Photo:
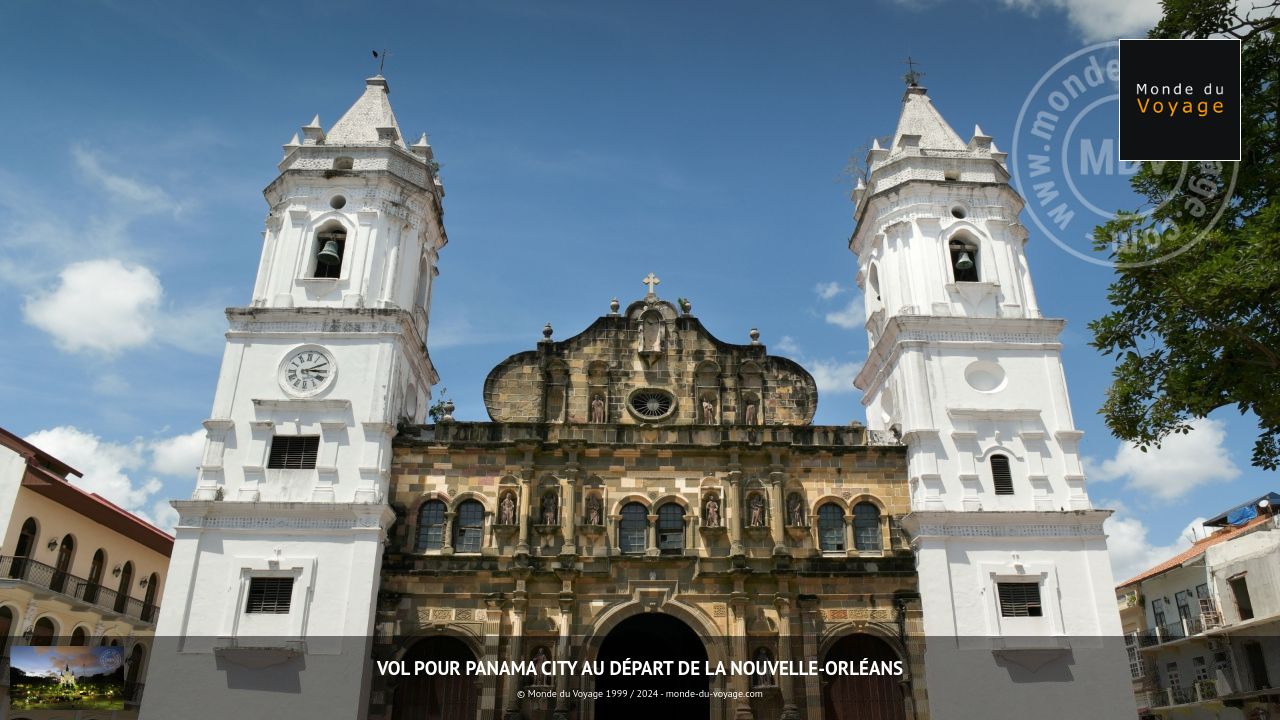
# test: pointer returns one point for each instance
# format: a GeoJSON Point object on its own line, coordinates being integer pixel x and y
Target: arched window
{"type": "Point", "coordinates": [6, 627]}
{"type": "Point", "coordinates": [1001, 476]}
{"type": "Point", "coordinates": [468, 527]}
{"type": "Point", "coordinates": [671, 529]}
{"type": "Point", "coordinates": [331, 241]}
{"type": "Point", "coordinates": [831, 528]}
{"type": "Point", "coordinates": [122, 595]}
{"type": "Point", "coordinates": [96, 569]}
{"type": "Point", "coordinates": [866, 526]}
{"type": "Point", "coordinates": [430, 526]}
{"type": "Point", "coordinates": [79, 636]}
{"type": "Point", "coordinates": [873, 281]}
{"type": "Point", "coordinates": [633, 529]}
{"type": "Point", "coordinates": [964, 259]}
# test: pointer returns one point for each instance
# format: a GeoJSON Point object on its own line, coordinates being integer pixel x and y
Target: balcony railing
{"type": "Point", "coordinates": [1181, 628]}
{"type": "Point", "coordinates": [1200, 691]}
{"type": "Point", "coordinates": [77, 588]}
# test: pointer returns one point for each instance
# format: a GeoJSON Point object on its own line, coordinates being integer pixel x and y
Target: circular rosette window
{"type": "Point", "coordinates": [649, 404]}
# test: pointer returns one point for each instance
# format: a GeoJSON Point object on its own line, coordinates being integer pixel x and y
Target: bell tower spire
{"type": "Point", "coordinates": [328, 358]}
{"type": "Point", "coordinates": [965, 371]}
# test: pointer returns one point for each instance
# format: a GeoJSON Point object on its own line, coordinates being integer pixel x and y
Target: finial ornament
{"type": "Point", "coordinates": [546, 332]}
{"type": "Point", "coordinates": [755, 336]}
{"type": "Point", "coordinates": [913, 75]}
{"type": "Point", "coordinates": [651, 280]}
{"type": "Point", "coordinates": [613, 306]}
{"type": "Point", "coordinates": [381, 57]}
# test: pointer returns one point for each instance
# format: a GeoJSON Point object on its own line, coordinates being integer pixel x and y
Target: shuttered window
{"type": "Point", "coordinates": [1000, 475]}
{"type": "Point", "coordinates": [1019, 599]}
{"type": "Point", "coordinates": [269, 595]}
{"type": "Point", "coordinates": [293, 452]}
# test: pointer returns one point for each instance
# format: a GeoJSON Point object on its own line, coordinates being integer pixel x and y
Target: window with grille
{"type": "Point", "coordinates": [468, 527]}
{"type": "Point", "coordinates": [1019, 599]}
{"type": "Point", "coordinates": [671, 529]}
{"type": "Point", "coordinates": [831, 528]}
{"type": "Point", "coordinates": [269, 595]}
{"type": "Point", "coordinates": [430, 526]}
{"type": "Point", "coordinates": [294, 452]}
{"type": "Point", "coordinates": [1001, 477]}
{"type": "Point", "coordinates": [633, 528]}
{"type": "Point", "coordinates": [866, 526]}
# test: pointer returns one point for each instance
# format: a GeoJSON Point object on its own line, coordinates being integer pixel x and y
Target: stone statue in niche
{"type": "Point", "coordinates": [594, 510]}
{"type": "Point", "coordinates": [654, 333]}
{"type": "Point", "coordinates": [749, 412]}
{"type": "Point", "coordinates": [507, 510]}
{"type": "Point", "coordinates": [795, 510]}
{"type": "Point", "coordinates": [756, 516]}
{"type": "Point", "coordinates": [597, 409]}
{"type": "Point", "coordinates": [539, 657]}
{"type": "Point", "coordinates": [549, 514]}
{"type": "Point", "coordinates": [711, 513]}
{"type": "Point", "coordinates": [708, 412]}
{"type": "Point", "coordinates": [762, 676]}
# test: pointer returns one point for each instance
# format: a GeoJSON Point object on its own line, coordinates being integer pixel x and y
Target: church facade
{"type": "Point", "coordinates": [643, 490]}
{"type": "Point", "coordinates": [646, 490]}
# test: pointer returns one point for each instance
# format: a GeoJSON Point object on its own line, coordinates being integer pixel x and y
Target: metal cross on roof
{"type": "Point", "coordinates": [913, 76]}
{"type": "Point", "coordinates": [651, 280]}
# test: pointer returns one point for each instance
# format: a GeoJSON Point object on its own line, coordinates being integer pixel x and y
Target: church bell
{"type": "Point", "coordinates": [329, 254]}
{"type": "Point", "coordinates": [964, 262]}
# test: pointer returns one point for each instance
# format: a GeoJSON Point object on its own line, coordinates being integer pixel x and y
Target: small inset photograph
{"type": "Point", "coordinates": [66, 678]}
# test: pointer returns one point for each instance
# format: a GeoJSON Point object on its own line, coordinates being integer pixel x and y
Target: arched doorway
{"type": "Point", "coordinates": [649, 637]}
{"type": "Point", "coordinates": [62, 566]}
{"type": "Point", "coordinates": [149, 602]}
{"type": "Point", "coordinates": [436, 697]}
{"type": "Point", "coordinates": [95, 576]}
{"type": "Point", "coordinates": [42, 633]}
{"type": "Point", "coordinates": [22, 551]}
{"type": "Point", "coordinates": [6, 627]}
{"type": "Point", "coordinates": [122, 594]}
{"type": "Point", "coordinates": [133, 673]}
{"type": "Point", "coordinates": [862, 697]}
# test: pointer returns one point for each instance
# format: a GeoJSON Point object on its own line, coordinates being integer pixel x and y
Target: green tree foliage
{"type": "Point", "coordinates": [1200, 330]}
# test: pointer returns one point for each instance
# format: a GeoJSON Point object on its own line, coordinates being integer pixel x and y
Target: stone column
{"type": "Point", "coordinates": [562, 704]}
{"type": "Point", "coordinates": [569, 511]}
{"type": "Point", "coordinates": [808, 639]}
{"type": "Point", "coordinates": [522, 548]}
{"type": "Point", "coordinates": [777, 518]}
{"type": "Point", "coordinates": [652, 548]}
{"type": "Point", "coordinates": [612, 531]}
{"type": "Point", "coordinates": [730, 512]}
{"type": "Point", "coordinates": [849, 548]}
{"type": "Point", "coordinates": [511, 702]}
{"type": "Point", "coordinates": [446, 542]}
{"type": "Point", "coordinates": [741, 683]}
{"type": "Point", "coordinates": [785, 681]}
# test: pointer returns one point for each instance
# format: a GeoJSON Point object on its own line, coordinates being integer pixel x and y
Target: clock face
{"type": "Point", "coordinates": [307, 371]}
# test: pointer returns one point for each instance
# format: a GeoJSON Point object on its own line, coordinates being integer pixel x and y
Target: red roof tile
{"type": "Point", "coordinates": [1196, 550]}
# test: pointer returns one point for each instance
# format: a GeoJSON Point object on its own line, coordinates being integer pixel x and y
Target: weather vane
{"type": "Point", "coordinates": [913, 75]}
{"type": "Point", "coordinates": [381, 57]}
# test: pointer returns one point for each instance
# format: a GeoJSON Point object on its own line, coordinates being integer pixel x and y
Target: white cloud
{"type": "Point", "coordinates": [178, 455]}
{"type": "Point", "coordinates": [1098, 20]}
{"type": "Point", "coordinates": [149, 198]}
{"type": "Point", "coordinates": [100, 305]}
{"type": "Point", "coordinates": [833, 377]}
{"type": "Point", "coordinates": [1132, 552]}
{"type": "Point", "coordinates": [119, 471]}
{"type": "Point", "coordinates": [850, 317]}
{"type": "Point", "coordinates": [1180, 464]}
{"type": "Point", "coordinates": [787, 345]}
{"type": "Point", "coordinates": [828, 290]}
{"type": "Point", "coordinates": [106, 466]}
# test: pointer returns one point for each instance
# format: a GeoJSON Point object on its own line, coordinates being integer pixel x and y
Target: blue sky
{"type": "Point", "coordinates": [582, 145]}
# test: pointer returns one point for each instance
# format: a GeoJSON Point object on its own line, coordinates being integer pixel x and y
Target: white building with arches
{"type": "Point", "coordinates": [76, 570]}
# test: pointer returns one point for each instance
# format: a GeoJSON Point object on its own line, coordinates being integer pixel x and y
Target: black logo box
{"type": "Point", "coordinates": [1186, 68]}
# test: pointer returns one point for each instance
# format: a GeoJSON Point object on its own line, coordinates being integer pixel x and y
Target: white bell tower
{"type": "Point", "coordinates": [1015, 580]}
{"type": "Point", "coordinates": [275, 570]}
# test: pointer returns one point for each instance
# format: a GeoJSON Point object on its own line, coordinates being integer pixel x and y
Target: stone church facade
{"type": "Point", "coordinates": [645, 466]}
